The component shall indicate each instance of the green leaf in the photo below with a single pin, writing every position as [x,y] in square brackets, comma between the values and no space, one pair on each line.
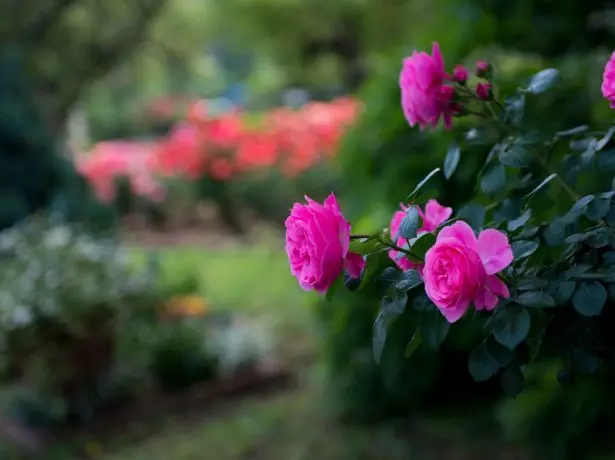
[605,139]
[512,381]
[422,303]
[589,297]
[374,265]
[561,291]
[452,160]
[422,244]
[527,233]
[541,185]
[410,279]
[524,248]
[482,365]
[391,275]
[414,343]
[435,328]
[410,223]
[572,131]
[584,362]
[542,81]
[516,157]
[515,108]
[530,284]
[606,160]
[519,221]
[502,355]
[580,206]
[511,325]
[423,182]
[390,308]
[535,337]
[493,180]
[597,209]
[609,258]
[394,306]
[577,270]
[576,238]
[535,299]
[474,214]
[380,337]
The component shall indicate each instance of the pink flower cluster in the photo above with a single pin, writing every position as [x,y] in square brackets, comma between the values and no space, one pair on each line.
[460,269]
[111,160]
[429,93]
[221,148]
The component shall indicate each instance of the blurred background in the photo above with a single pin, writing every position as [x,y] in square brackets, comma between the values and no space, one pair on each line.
[149,153]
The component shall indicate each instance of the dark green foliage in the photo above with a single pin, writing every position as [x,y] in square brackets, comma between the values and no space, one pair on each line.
[34,176]
[180,359]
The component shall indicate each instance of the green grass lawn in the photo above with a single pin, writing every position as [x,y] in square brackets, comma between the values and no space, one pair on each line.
[252,280]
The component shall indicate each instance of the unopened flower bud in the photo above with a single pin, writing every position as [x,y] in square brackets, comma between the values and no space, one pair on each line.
[483,69]
[460,74]
[484,91]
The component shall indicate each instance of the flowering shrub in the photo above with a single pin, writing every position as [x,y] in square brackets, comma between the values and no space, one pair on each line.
[530,258]
[221,148]
[109,161]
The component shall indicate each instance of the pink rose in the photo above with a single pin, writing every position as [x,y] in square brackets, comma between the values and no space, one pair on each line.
[460,74]
[425,98]
[461,269]
[435,215]
[317,240]
[608,81]
[483,90]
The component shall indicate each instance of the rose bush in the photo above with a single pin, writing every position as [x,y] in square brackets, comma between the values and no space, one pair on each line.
[532,252]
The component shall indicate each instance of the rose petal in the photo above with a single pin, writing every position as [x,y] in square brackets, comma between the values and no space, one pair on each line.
[497,286]
[460,231]
[454,313]
[494,250]
[354,264]
[435,214]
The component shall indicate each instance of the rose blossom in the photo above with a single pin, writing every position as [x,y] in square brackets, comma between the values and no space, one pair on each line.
[317,241]
[435,215]
[425,98]
[608,81]
[461,269]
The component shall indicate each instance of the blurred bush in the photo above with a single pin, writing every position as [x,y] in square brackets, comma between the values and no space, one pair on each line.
[33,175]
[180,356]
[66,298]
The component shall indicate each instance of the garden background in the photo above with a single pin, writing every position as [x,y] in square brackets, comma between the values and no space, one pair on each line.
[150,151]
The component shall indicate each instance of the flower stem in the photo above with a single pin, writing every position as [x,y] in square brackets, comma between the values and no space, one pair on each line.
[359,237]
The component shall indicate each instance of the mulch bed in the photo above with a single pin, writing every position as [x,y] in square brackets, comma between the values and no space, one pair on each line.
[149,411]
